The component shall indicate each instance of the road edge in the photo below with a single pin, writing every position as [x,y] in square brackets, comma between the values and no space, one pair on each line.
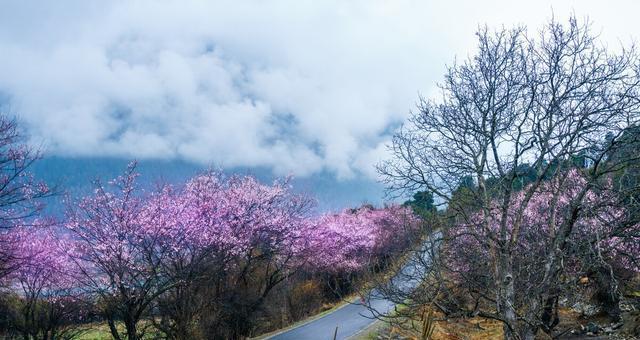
[303,322]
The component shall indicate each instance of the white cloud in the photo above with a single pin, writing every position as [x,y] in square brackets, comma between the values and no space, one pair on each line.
[297,86]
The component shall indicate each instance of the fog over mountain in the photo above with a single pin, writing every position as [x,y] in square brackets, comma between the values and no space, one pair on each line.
[302,87]
[75,176]
[309,88]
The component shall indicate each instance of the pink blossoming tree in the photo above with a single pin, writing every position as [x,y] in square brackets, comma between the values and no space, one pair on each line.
[48,300]
[117,253]
[600,243]
[232,240]
[353,238]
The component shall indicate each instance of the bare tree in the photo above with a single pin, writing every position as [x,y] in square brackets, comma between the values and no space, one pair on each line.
[522,110]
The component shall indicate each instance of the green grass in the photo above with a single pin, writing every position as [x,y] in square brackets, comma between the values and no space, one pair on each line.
[96,334]
[100,331]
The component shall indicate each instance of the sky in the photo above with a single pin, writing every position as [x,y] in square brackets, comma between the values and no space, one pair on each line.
[298,87]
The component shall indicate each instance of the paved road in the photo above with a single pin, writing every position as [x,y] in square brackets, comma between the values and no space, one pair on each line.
[350,319]
[354,317]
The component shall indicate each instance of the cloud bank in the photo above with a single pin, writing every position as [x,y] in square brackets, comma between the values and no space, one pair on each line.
[296,86]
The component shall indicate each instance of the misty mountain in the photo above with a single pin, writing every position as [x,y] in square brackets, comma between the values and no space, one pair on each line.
[75,177]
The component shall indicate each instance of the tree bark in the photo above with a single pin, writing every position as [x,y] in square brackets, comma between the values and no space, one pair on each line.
[506,297]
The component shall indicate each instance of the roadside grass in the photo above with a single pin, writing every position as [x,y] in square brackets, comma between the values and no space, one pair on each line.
[100,331]
[455,329]
[96,332]
[407,323]
[470,328]
[474,328]
[372,332]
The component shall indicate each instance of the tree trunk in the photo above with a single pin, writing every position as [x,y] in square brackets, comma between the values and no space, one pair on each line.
[607,293]
[132,331]
[506,298]
[113,329]
[550,318]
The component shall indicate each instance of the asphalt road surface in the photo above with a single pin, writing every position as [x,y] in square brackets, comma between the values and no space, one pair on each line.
[350,319]
[354,317]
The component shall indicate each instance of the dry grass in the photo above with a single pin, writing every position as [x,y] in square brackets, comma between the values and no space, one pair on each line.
[474,328]
[100,331]
[456,329]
